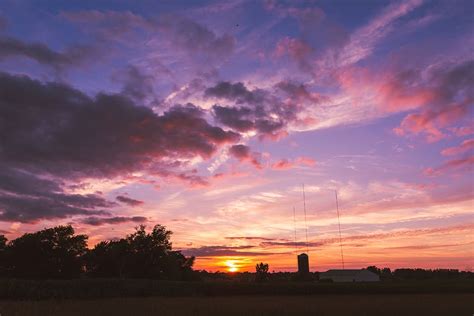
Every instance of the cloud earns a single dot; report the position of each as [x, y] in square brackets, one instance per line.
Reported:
[296, 49]
[298, 92]
[73, 56]
[249, 238]
[450, 166]
[363, 40]
[137, 85]
[466, 145]
[298, 244]
[449, 102]
[284, 164]
[99, 221]
[120, 135]
[109, 24]
[26, 197]
[257, 110]
[58, 133]
[215, 251]
[243, 153]
[235, 92]
[177, 32]
[463, 130]
[307, 161]
[194, 38]
[128, 201]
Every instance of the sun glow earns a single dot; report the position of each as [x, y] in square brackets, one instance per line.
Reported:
[231, 265]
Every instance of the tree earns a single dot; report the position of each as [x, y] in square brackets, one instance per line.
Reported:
[374, 269]
[3, 246]
[386, 274]
[261, 272]
[50, 253]
[107, 259]
[140, 255]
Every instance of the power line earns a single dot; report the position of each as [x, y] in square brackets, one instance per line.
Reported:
[339, 224]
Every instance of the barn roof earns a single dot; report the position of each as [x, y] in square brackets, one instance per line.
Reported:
[346, 272]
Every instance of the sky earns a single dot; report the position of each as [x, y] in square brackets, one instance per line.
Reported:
[209, 117]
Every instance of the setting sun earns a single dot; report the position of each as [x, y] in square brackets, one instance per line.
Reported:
[231, 266]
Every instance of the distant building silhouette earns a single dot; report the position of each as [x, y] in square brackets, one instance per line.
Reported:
[349, 275]
[303, 264]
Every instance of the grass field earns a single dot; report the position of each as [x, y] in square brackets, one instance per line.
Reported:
[344, 305]
[14, 289]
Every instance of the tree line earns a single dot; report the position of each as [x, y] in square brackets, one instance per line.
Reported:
[59, 253]
[419, 274]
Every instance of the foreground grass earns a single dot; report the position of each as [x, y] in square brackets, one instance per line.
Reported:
[11, 289]
[367, 305]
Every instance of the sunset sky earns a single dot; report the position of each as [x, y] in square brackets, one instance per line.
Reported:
[208, 118]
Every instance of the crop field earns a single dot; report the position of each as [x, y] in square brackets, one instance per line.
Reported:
[369, 304]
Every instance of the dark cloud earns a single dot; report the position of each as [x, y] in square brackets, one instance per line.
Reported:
[250, 238]
[55, 133]
[137, 85]
[298, 244]
[72, 56]
[194, 39]
[298, 92]
[109, 24]
[263, 111]
[129, 201]
[26, 197]
[240, 151]
[211, 251]
[99, 221]
[235, 92]
[61, 130]
[243, 153]
[238, 119]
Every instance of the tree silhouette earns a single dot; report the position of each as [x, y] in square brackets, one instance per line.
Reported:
[3, 246]
[139, 255]
[50, 253]
[261, 270]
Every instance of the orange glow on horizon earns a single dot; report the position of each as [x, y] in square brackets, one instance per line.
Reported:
[231, 265]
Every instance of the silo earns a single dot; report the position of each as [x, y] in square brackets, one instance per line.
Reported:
[303, 264]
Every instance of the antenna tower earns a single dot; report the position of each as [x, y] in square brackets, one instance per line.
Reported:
[339, 224]
[305, 224]
[294, 224]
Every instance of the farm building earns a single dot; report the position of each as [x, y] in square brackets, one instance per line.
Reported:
[354, 275]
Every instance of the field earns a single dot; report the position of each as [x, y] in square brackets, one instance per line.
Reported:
[152, 297]
[14, 289]
[344, 305]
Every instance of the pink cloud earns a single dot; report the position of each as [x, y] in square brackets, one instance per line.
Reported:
[455, 164]
[306, 161]
[284, 164]
[431, 122]
[466, 145]
[463, 130]
[296, 49]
